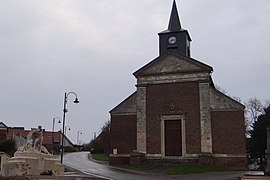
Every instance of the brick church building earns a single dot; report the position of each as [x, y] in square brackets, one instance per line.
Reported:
[176, 113]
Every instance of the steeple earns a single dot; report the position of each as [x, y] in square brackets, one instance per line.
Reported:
[174, 38]
[174, 23]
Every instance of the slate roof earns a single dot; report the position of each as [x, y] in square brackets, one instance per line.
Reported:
[127, 106]
[3, 125]
[174, 22]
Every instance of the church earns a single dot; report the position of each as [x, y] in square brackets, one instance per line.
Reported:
[176, 114]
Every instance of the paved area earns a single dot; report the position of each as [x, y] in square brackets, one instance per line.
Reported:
[81, 162]
[50, 178]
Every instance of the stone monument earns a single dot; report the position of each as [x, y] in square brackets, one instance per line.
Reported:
[33, 158]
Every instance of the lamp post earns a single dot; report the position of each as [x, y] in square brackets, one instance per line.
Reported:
[79, 132]
[53, 128]
[66, 129]
[76, 101]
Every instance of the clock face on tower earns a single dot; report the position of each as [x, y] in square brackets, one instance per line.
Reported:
[172, 40]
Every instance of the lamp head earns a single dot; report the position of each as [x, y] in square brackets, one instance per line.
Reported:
[76, 101]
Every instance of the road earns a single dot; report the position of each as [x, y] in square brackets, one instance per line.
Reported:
[81, 162]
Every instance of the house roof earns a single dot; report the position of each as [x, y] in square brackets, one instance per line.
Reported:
[3, 125]
[179, 64]
[47, 135]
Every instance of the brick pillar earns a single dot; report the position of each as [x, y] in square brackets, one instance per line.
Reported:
[141, 119]
[137, 157]
[205, 118]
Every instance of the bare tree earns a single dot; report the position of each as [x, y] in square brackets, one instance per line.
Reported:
[254, 108]
[267, 102]
[101, 143]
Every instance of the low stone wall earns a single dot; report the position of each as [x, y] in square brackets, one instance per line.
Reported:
[203, 160]
[231, 162]
[137, 157]
[119, 160]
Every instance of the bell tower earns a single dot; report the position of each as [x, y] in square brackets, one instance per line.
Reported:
[174, 38]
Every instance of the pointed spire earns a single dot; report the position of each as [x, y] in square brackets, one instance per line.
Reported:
[174, 23]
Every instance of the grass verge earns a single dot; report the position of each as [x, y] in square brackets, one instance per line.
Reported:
[100, 157]
[143, 166]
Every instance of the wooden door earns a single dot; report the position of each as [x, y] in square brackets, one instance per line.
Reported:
[173, 138]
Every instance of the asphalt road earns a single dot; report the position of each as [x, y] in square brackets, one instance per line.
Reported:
[80, 162]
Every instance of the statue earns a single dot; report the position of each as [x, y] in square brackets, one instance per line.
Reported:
[34, 141]
[36, 135]
[33, 158]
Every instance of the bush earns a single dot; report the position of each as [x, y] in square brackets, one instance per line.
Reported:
[7, 146]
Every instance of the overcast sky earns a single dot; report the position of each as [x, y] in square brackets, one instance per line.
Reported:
[92, 47]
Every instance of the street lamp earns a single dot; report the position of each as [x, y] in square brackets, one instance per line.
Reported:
[76, 101]
[95, 135]
[66, 129]
[53, 127]
[79, 132]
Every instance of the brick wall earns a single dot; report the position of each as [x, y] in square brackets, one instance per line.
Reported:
[177, 98]
[123, 133]
[3, 135]
[118, 160]
[231, 162]
[228, 132]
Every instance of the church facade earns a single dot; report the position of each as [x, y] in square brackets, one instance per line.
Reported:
[176, 113]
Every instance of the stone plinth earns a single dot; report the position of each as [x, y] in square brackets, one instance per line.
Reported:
[206, 159]
[137, 157]
[33, 163]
